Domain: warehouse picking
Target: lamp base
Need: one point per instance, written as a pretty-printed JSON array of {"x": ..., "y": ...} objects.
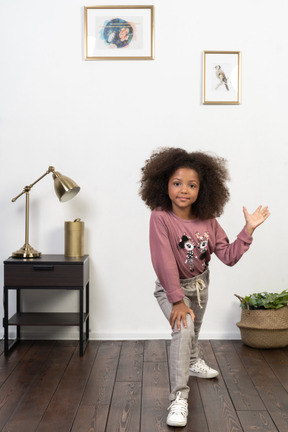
[{"x": 26, "y": 251}]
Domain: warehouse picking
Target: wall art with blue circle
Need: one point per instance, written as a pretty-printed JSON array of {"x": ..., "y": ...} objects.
[{"x": 118, "y": 33}]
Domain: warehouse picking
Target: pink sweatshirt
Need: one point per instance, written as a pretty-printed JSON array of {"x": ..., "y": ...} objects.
[{"x": 182, "y": 249}]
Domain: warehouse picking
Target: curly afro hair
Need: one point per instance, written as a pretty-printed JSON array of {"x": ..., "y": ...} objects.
[{"x": 212, "y": 173}]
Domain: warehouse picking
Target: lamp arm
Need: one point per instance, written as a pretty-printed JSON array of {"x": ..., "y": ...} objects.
[{"x": 28, "y": 188}]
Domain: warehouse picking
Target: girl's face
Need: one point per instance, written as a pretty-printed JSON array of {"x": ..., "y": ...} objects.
[{"x": 183, "y": 189}]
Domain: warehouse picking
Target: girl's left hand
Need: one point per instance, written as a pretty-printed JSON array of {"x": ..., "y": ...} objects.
[{"x": 255, "y": 219}]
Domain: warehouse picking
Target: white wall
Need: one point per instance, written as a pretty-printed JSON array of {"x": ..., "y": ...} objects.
[{"x": 97, "y": 122}]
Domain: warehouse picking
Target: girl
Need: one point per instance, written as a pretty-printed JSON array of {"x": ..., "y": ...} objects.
[{"x": 186, "y": 192}]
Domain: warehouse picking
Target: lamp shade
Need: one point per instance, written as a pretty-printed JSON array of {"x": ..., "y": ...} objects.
[{"x": 65, "y": 187}]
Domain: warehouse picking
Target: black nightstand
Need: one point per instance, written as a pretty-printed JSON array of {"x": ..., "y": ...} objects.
[{"x": 52, "y": 272}]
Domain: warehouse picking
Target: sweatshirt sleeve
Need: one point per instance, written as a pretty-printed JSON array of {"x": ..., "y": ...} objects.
[
  {"x": 163, "y": 259},
  {"x": 230, "y": 253}
]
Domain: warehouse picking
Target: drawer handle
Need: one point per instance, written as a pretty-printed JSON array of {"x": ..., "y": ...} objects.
[{"x": 43, "y": 267}]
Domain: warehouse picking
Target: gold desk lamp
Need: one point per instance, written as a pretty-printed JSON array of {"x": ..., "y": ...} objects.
[{"x": 65, "y": 189}]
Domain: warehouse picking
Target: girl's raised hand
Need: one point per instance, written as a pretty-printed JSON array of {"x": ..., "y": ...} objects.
[{"x": 255, "y": 219}]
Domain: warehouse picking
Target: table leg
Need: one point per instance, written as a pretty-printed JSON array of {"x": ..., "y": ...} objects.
[
  {"x": 81, "y": 318},
  {"x": 5, "y": 322},
  {"x": 87, "y": 312},
  {"x": 18, "y": 306}
]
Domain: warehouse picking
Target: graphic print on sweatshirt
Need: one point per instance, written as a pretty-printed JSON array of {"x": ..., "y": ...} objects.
[{"x": 189, "y": 246}]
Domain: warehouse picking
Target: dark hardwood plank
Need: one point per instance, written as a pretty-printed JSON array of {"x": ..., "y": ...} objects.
[
  {"x": 16, "y": 386},
  {"x": 35, "y": 400},
  {"x": 60, "y": 414},
  {"x": 196, "y": 421},
  {"x": 278, "y": 362},
  {"x": 9, "y": 363},
  {"x": 130, "y": 366},
  {"x": 241, "y": 388},
  {"x": 219, "y": 409},
  {"x": 91, "y": 418},
  {"x": 125, "y": 409},
  {"x": 155, "y": 351},
  {"x": 155, "y": 397},
  {"x": 252, "y": 421},
  {"x": 255, "y": 365},
  {"x": 100, "y": 385},
  {"x": 276, "y": 401}
]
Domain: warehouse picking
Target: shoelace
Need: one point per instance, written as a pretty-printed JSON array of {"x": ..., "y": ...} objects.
[
  {"x": 199, "y": 285},
  {"x": 178, "y": 406},
  {"x": 201, "y": 365}
]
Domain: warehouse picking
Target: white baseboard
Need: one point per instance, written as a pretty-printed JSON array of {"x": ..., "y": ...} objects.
[{"x": 61, "y": 333}]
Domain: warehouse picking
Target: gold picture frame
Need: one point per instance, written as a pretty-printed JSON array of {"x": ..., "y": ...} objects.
[
  {"x": 119, "y": 32},
  {"x": 222, "y": 77}
]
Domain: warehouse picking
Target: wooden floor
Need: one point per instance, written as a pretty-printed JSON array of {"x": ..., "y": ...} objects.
[{"x": 123, "y": 387}]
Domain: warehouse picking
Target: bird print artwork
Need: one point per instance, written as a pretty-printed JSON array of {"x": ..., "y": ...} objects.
[{"x": 222, "y": 77}]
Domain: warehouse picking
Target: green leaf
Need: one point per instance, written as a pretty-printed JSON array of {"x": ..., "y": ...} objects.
[{"x": 265, "y": 300}]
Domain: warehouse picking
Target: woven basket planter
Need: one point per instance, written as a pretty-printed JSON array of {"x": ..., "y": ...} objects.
[{"x": 264, "y": 328}]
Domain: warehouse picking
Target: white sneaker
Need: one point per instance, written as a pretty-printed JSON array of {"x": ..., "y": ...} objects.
[
  {"x": 178, "y": 411},
  {"x": 201, "y": 370}
]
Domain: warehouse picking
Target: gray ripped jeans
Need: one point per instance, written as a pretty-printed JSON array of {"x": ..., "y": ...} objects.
[{"x": 184, "y": 349}]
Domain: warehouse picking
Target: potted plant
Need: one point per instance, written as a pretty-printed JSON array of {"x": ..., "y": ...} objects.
[{"x": 264, "y": 319}]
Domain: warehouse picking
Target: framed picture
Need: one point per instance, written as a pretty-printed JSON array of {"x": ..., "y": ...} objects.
[
  {"x": 222, "y": 77},
  {"x": 119, "y": 32}
]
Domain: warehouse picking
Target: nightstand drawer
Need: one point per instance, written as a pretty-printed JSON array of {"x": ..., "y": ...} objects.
[{"x": 43, "y": 274}]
